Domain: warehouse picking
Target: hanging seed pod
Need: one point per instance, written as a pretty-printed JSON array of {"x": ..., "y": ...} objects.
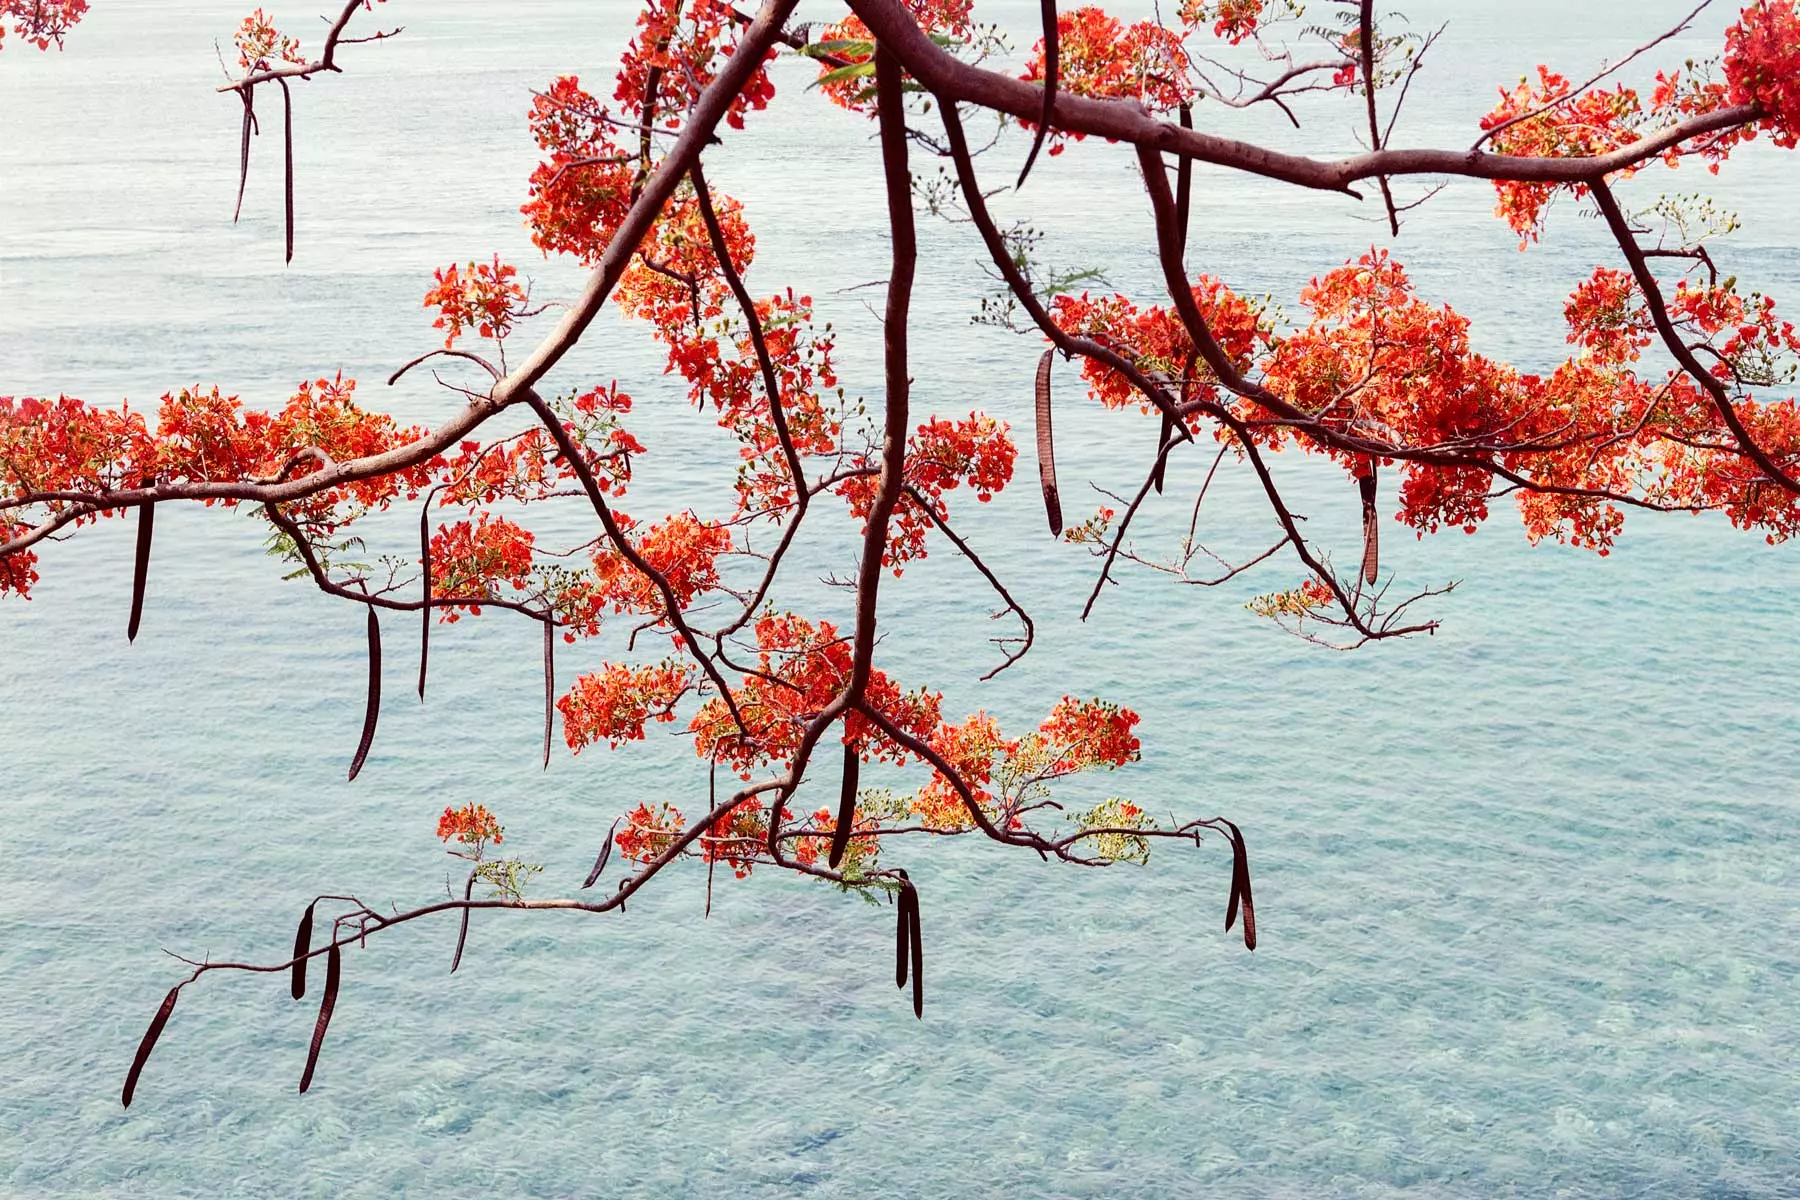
[
  {"x": 918, "y": 955},
  {"x": 287, "y": 148},
  {"x": 333, "y": 968},
  {"x": 1371, "y": 563},
  {"x": 846, "y": 815},
  {"x": 1184, "y": 187},
  {"x": 1046, "y": 447},
  {"x": 902, "y": 933},
  {"x": 140, "y": 568},
  {"x": 248, "y": 94},
  {"x": 605, "y": 853},
  {"x": 1052, "y": 68},
  {"x": 425, "y": 557},
  {"x": 148, "y": 1044},
  {"x": 549, "y": 684},
  {"x": 1240, "y": 888},
  {"x": 462, "y": 935},
  {"x": 1162, "y": 460},
  {"x": 373, "y": 712},
  {"x": 302, "y": 947}
]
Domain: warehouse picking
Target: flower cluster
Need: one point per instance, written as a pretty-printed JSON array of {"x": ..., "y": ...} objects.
[
  {"x": 483, "y": 298},
  {"x": 648, "y": 832},
  {"x": 472, "y": 826},
  {"x": 259, "y": 43},
  {"x": 614, "y": 703},
  {"x": 41, "y": 22}
]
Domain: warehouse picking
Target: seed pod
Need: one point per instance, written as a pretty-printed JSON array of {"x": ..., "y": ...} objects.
[
  {"x": 148, "y": 1044},
  {"x": 605, "y": 853},
  {"x": 1046, "y": 447},
  {"x": 846, "y": 816},
  {"x": 249, "y": 97},
  {"x": 902, "y": 934},
  {"x": 140, "y": 568},
  {"x": 1162, "y": 459},
  {"x": 462, "y": 935},
  {"x": 333, "y": 966},
  {"x": 1240, "y": 888},
  {"x": 373, "y": 712},
  {"x": 302, "y": 947},
  {"x": 1052, "y": 64},
  {"x": 425, "y": 557},
  {"x": 918, "y": 955},
  {"x": 1371, "y": 563},
  {"x": 287, "y": 153},
  {"x": 549, "y": 684},
  {"x": 1184, "y": 185}
]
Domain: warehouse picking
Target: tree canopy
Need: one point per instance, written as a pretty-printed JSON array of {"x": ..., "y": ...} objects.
[{"x": 1674, "y": 397}]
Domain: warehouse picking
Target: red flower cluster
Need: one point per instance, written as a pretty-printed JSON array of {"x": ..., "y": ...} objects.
[
  {"x": 472, "y": 825},
  {"x": 1762, "y": 66},
  {"x": 648, "y": 832},
  {"x": 41, "y": 22},
  {"x": 483, "y": 298},
  {"x": 614, "y": 703},
  {"x": 259, "y": 43},
  {"x": 474, "y": 559},
  {"x": 1100, "y": 58},
  {"x": 801, "y": 669}
]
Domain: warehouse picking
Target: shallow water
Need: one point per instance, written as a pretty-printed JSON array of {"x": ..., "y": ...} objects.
[{"x": 1525, "y": 888}]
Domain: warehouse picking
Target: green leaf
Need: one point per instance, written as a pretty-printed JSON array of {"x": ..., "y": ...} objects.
[
  {"x": 853, "y": 71},
  {"x": 841, "y": 46}
]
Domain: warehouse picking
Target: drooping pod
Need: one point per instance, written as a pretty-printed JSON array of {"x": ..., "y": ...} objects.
[
  {"x": 1052, "y": 68},
  {"x": 605, "y": 853},
  {"x": 1046, "y": 446},
  {"x": 1371, "y": 563},
  {"x": 1240, "y": 888},
  {"x": 287, "y": 159},
  {"x": 148, "y": 1044},
  {"x": 373, "y": 712},
  {"x": 462, "y": 934},
  {"x": 549, "y": 684},
  {"x": 248, "y": 95},
  {"x": 302, "y": 947},
  {"x": 1162, "y": 458},
  {"x": 909, "y": 955},
  {"x": 425, "y": 612},
  {"x": 333, "y": 972},
  {"x": 846, "y": 815},
  {"x": 140, "y": 568}
]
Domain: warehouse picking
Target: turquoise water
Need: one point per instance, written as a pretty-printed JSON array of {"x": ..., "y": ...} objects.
[{"x": 1525, "y": 887}]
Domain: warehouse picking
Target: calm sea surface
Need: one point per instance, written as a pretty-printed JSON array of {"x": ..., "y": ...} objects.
[{"x": 1526, "y": 888}]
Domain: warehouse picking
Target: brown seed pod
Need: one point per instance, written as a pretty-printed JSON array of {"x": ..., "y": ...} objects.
[
  {"x": 846, "y": 815},
  {"x": 425, "y": 557},
  {"x": 549, "y": 684},
  {"x": 1052, "y": 66},
  {"x": 148, "y": 1044},
  {"x": 1184, "y": 187},
  {"x": 605, "y": 853},
  {"x": 333, "y": 967},
  {"x": 302, "y": 947},
  {"x": 140, "y": 568},
  {"x": 1162, "y": 459},
  {"x": 249, "y": 97},
  {"x": 1046, "y": 446},
  {"x": 902, "y": 932},
  {"x": 918, "y": 955},
  {"x": 287, "y": 158},
  {"x": 462, "y": 935},
  {"x": 1371, "y": 563},
  {"x": 1240, "y": 887},
  {"x": 373, "y": 712}
]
